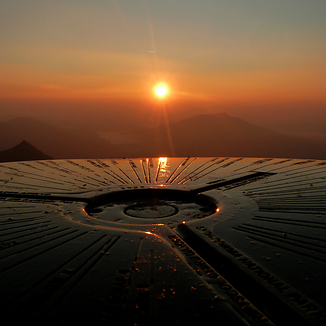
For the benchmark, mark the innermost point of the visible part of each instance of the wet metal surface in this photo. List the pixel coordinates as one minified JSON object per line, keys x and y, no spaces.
{"x":153,"y":241}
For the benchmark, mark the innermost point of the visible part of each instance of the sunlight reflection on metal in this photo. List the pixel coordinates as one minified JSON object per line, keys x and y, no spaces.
{"x":84,"y":211}
{"x":163,"y":171}
{"x":163,"y":165}
{"x":162,"y":161}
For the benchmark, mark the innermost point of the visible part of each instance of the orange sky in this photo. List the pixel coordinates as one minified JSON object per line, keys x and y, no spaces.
{"x":217,"y":52}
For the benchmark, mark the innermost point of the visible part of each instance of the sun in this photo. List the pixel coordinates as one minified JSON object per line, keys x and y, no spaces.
{"x":161,"y":91}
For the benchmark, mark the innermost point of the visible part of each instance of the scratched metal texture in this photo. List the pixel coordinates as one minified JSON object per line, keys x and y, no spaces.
{"x":157,"y":241}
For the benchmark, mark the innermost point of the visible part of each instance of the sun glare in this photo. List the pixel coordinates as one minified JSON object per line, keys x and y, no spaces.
{"x":161,"y":91}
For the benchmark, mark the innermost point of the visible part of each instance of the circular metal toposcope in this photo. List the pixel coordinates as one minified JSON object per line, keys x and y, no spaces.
{"x":152,"y":204}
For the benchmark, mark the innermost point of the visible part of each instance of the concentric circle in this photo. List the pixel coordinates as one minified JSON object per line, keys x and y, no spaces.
{"x":148,"y":205}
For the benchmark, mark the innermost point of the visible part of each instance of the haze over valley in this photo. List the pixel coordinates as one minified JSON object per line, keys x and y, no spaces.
{"x":216,"y":134}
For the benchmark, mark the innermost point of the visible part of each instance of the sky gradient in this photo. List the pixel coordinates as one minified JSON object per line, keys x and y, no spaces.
{"x":210,"y":51}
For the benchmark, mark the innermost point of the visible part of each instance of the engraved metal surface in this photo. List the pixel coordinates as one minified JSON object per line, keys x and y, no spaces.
{"x":163,"y":240}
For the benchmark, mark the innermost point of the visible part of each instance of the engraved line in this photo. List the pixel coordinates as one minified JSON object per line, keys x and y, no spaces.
{"x":149,"y":170}
{"x":219,"y":167}
{"x":271,"y":183}
{"x":282,"y":238}
{"x":52,"y":303}
{"x":133,"y":166}
{"x":176,"y":169}
{"x":40,"y":177}
{"x":22,"y":220}
{"x":186,"y":166}
{"x":287,"y":232}
{"x":22,"y":225}
{"x":32,"y":255}
{"x":144,"y":171}
{"x":46,"y":229}
{"x":125,"y":174}
{"x":190,"y":175}
{"x":250,"y":177}
{"x":107,"y":167}
{"x":309,"y":224}
{"x":158,"y":170}
{"x":32,"y":293}
{"x":287,"y":248}
{"x":280,"y":185}
{"x":255,"y":163}
{"x":195,"y":176}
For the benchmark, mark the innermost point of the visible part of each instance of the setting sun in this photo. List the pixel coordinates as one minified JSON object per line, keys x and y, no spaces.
{"x":161,"y":91}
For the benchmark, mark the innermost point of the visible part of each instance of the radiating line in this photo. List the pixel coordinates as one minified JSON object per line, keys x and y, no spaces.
{"x":47,"y":227}
{"x":281,"y":238}
{"x":49,"y":242}
{"x":186,"y":165}
{"x":286,"y":184}
{"x":42,"y":178}
{"x":246,"y":178}
{"x":52,"y":303}
{"x":158,"y":170}
{"x":21,"y":213}
{"x":133,"y":167}
{"x":278,"y":245}
{"x":14,"y":227}
{"x":22,"y":220}
{"x":255,"y":163}
{"x":309,"y":224}
{"x":201,"y":169}
{"x":115,"y":176}
{"x":287,"y":232}
{"x":124,"y":174}
{"x":219,"y":167}
{"x":176,"y":169}
{"x":144,"y":170}
{"x":148,"y":161}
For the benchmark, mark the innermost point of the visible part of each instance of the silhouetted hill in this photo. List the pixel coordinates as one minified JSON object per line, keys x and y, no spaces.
{"x":223,"y":135}
{"x":57,"y":142}
{"x":202,"y":135}
{"x":22,"y":152}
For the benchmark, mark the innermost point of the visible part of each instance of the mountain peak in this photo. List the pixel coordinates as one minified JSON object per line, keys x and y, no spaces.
{"x":24,"y":151}
{"x":24,"y":143}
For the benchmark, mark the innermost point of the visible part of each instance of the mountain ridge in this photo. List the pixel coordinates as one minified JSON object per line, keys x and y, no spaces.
{"x":223,"y":135}
{"x":216,"y":134}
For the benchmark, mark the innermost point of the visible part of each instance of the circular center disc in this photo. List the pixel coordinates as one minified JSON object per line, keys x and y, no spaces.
{"x":149,"y":205}
{"x":151,"y":210}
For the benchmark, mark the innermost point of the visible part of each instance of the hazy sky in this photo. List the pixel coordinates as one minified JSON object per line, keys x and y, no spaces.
{"x":216,"y":51}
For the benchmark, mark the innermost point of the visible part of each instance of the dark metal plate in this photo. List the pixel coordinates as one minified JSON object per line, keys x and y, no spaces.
{"x":163,"y":241}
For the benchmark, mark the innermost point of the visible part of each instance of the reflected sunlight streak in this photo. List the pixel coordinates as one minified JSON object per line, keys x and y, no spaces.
{"x":163,"y":163}
{"x":162,"y":170}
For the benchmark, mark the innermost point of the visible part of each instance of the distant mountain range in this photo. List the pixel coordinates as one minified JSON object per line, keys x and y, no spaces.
{"x":223,"y":135}
{"x":54,"y":140}
{"x":22,"y":152}
{"x":202,"y":135}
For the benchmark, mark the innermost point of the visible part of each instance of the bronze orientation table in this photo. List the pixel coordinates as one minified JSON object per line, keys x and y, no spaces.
{"x":163,"y":241}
